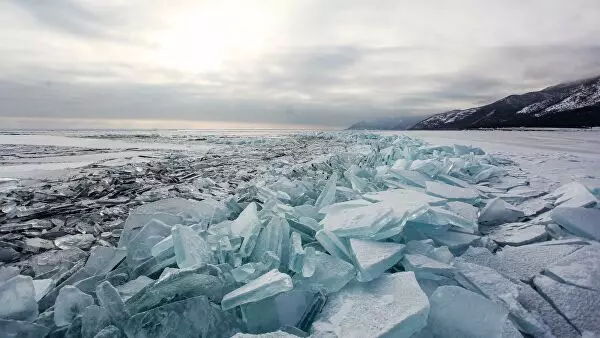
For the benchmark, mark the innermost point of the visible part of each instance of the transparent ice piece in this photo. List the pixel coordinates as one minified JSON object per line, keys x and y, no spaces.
{"x":69,"y":303}
{"x":110,"y":299}
{"x":333,"y":244}
{"x":391,"y":306}
{"x":373,"y":258}
{"x":17,"y":299}
{"x":139,"y":248}
{"x":574,"y":195}
{"x":246,"y":221}
{"x":191,"y":250}
{"x":361,"y":221}
{"x":110,"y":331}
{"x":460,"y":313}
{"x":451,"y":192}
{"x":331,"y":274}
{"x":421,"y":264}
{"x":93,"y":319}
{"x":134,"y":286}
{"x":579,"y":221}
{"x":296,"y":253}
{"x":267,"y":285}
{"x":18,"y":329}
{"x":42,"y":287}
{"x":497,"y":211}
{"x":103,"y":259}
{"x":327,"y":196}
{"x":271,"y":238}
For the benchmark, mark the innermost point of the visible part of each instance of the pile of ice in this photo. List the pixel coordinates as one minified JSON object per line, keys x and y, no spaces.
{"x":391,"y":238}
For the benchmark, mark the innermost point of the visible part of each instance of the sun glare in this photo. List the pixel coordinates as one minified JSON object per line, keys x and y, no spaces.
{"x":203,"y":39}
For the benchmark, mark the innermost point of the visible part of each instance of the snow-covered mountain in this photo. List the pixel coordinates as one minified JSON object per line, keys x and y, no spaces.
{"x":572,"y":104}
{"x":387,"y":123}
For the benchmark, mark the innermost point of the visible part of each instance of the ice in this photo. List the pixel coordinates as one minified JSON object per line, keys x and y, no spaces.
{"x":93,"y":319}
{"x":331,"y":274}
{"x":457,"y":242}
{"x":579,"y":221}
{"x":191,"y":250}
{"x":69,"y":303}
{"x":296,"y":253}
{"x":497,"y":211}
{"x":81,"y":241}
{"x":466,"y":211}
{"x":403,"y":200}
{"x":37,"y":244}
{"x":42,"y":287}
{"x":457,"y":312}
{"x":450,"y":192}
{"x":275,"y":334}
{"x":337,"y":207}
{"x":327,"y":196}
{"x":104,"y":259}
{"x":270,"y":314}
{"x":110,"y":331}
{"x":361,"y":221}
{"x":17,"y":296}
{"x":333,"y":244}
{"x":574,"y":195}
{"x":267,"y":285}
{"x":180,"y":285}
{"x":139,"y":248}
{"x":246,"y":222}
{"x":580,"y":306}
{"x":409,"y":177}
{"x":390,"y":306}
{"x":515,"y":234}
{"x":421,"y":264}
{"x":189,"y":317}
{"x":581,"y":268}
{"x":271,"y":238}
{"x":8,"y":272}
{"x":109,"y":298}
{"x":20,"y":329}
{"x":373,"y":258}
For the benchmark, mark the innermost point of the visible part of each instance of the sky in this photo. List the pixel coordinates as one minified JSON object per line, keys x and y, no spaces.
{"x":280,"y":63}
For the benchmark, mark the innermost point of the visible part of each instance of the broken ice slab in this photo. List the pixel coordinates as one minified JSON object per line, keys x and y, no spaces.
{"x":358,"y":222}
{"x":515,"y":234}
{"x":274,"y":334}
{"x":267,"y":285}
{"x":104,"y":259}
{"x":409,"y":177}
{"x":428,"y":167}
{"x":403,"y":200}
{"x":139,"y":248}
{"x":333,"y":244}
{"x":18,"y":329}
{"x":456,"y":242}
{"x":580,"y":306}
{"x":8,"y":272}
{"x":310,"y":261}
{"x":373,"y":258}
{"x":180,"y":285}
{"x":523,"y":262}
{"x":333,"y":208}
{"x":391,"y":306}
{"x":327,"y":195}
{"x":497,"y":211}
{"x":423,"y":265}
{"x":42,"y":287}
{"x":171,"y":211}
{"x":331,"y":274}
{"x":36,"y":244}
{"x":460,"y":313}
{"x":494,"y":286}
{"x":192,"y":317}
{"x":271,"y":238}
{"x":134,"y":286}
{"x":296,"y":253}
{"x":17,"y":296}
{"x":536,"y":304}
{"x":583,"y":222}
{"x":110,"y":331}
{"x":246,"y":222}
{"x":70,"y":303}
{"x":270,"y":314}
{"x":574,"y":195}
{"x":109,"y":298}
{"x":451,"y":192}
{"x":81,"y":241}
{"x":93,"y":319}
{"x":191,"y":250}
{"x":581,"y":268}
{"x":53,"y":259}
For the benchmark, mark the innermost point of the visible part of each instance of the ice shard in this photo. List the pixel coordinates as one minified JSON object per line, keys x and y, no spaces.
{"x":69,"y":303}
{"x":93,"y":319}
{"x":192,"y":317}
{"x":574,"y":195}
{"x":361,"y":222}
{"x":516,"y":234}
{"x":17,"y":299}
{"x":271,"y":238}
{"x":579,"y":221}
{"x":390,"y":306}
{"x":246,"y":221}
{"x":139,"y":248}
{"x":296,"y":254}
{"x":497,"y":211}
{"x":104,"y":259}
{"x":451,"y":192}
{"x":110,"y":331}
{"x":18,"y":329}
{"x":373,"y":258}
{"x":580,"y":268}
{"x":327,"y":196}
{"x":267,"y":285}
{"x":333,"y":244}
{"x":110,"y":299}
{"x":191,"y":250}
{"x":460,"y":313}
{"x":421,"y":264}
{"x":331,"y":274}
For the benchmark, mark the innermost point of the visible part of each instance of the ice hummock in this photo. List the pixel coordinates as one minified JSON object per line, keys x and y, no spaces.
{"x":385,"y":236}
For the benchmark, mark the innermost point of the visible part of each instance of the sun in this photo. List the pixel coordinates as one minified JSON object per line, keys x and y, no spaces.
{"x":204,"y":39}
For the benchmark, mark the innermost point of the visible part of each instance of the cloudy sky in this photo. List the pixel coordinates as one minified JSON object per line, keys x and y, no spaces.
{"x":271,"y":63}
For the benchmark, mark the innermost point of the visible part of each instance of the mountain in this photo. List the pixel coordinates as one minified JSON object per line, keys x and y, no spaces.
{"x":387,"y":123}
{"x":572,"y":104}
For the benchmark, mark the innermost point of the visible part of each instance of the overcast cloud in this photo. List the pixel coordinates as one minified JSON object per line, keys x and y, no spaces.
{"x":281,"y":62}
